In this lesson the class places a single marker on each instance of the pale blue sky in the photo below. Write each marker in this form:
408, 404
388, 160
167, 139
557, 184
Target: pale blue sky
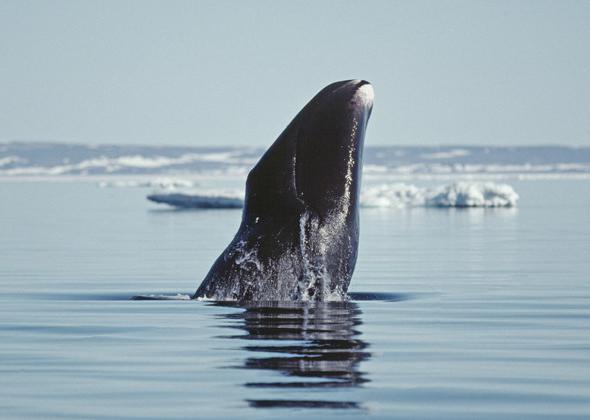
236, 72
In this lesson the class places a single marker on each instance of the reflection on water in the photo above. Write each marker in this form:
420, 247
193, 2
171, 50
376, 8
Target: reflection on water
312, 347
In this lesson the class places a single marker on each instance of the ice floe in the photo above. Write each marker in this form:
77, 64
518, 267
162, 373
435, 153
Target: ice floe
458, 194
396, 195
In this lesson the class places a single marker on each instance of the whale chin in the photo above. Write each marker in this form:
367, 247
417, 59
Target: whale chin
298, 238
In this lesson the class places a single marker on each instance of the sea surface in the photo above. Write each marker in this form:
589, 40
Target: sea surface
456, 313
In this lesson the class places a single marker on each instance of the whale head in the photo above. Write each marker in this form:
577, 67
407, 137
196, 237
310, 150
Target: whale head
316, 162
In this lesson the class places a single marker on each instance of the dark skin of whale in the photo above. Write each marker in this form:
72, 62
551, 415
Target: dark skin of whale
298, 239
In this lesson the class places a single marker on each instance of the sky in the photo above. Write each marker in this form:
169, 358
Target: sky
213, 73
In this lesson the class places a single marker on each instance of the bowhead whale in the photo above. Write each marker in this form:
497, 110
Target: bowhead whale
298, 238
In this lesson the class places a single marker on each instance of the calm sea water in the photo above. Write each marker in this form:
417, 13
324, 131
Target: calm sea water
479, 313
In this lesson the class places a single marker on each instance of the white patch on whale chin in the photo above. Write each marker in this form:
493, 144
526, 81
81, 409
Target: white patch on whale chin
366, 94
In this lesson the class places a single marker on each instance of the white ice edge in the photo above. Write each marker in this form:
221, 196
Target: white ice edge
177, 296
387, 195
458, 194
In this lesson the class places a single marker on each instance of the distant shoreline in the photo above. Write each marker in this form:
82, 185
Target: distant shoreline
35, 161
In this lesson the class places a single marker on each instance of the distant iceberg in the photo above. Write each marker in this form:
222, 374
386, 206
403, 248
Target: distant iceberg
466, 194
398, 195
459, 194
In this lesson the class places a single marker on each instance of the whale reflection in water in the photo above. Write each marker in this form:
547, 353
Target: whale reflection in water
312, 346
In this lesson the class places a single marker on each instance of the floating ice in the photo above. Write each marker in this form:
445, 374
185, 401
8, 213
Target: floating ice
160, 183
392, 195
468, 194
204, 199
177, 296
7, 160
449, 154
126, 164
459, 194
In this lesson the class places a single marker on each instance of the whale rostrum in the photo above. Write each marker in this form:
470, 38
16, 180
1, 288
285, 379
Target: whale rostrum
298, 238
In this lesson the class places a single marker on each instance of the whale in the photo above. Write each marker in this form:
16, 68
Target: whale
299, 232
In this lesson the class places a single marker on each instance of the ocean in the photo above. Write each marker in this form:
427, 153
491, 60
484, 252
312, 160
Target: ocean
476, 307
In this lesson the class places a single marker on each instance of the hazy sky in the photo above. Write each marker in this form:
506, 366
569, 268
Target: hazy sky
236, 72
